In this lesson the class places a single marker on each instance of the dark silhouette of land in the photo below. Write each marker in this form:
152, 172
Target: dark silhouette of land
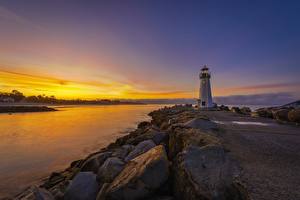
18, 97
18, 109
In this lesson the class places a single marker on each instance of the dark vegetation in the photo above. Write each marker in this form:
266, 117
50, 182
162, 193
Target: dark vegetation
18, 97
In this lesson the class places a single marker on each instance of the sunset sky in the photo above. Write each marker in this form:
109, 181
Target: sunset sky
148, 49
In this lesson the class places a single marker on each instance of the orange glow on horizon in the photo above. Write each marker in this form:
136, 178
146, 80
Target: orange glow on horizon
69, 89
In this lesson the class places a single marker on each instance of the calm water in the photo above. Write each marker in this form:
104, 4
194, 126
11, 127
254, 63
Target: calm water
34, 144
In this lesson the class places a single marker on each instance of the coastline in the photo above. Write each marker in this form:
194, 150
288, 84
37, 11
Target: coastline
175, 136
24, 109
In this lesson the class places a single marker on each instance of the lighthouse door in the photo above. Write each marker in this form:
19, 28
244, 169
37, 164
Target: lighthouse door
203, 103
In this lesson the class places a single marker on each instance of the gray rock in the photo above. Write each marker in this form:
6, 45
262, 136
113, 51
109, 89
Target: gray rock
281, 114
245, 110
141, 148
224, 108
84, 186
123, 151
141, 177
263, 112
42, 194
182, 137
294, 115
205, 173
236, 110
94, 162
110, 169
159, 137
149, 134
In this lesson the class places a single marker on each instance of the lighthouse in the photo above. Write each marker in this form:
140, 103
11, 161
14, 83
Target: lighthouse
205, 97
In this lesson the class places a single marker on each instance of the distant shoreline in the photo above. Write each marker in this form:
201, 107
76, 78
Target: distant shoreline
23, 109
45, 107
71, 104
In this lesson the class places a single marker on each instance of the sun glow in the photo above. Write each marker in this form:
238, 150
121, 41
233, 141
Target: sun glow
70, 89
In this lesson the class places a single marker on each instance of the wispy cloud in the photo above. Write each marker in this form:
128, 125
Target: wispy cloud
268, 86
13, 17
256, 99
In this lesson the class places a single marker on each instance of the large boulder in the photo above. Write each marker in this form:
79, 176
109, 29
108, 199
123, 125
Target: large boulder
294, 115
281, 114
141, 177
245, 110
151, 134
263, 112
110, 169
95, 161
236, 110
224, 108
42, 194
84, 186
144, 125
205, 173
141, 148
182, 137
122, 151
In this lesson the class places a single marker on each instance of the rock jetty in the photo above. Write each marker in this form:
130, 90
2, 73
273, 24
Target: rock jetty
183, 153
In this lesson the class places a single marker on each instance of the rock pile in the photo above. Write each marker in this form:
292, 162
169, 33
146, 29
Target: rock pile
281, 114
176, 156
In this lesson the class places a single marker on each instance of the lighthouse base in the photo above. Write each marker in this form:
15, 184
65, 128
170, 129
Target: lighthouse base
202, 105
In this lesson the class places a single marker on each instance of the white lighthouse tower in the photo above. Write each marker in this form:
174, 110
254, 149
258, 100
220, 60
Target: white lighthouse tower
205, 98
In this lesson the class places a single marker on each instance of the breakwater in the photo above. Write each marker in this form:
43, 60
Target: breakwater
182, 153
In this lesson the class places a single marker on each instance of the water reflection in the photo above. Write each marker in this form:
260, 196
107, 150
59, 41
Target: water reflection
34, 144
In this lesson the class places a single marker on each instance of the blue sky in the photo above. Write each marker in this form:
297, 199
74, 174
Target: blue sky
156, 47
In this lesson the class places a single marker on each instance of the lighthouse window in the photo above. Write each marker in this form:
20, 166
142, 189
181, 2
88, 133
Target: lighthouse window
203, 103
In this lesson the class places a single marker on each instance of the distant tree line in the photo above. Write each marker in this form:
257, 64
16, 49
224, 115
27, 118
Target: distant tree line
18, 97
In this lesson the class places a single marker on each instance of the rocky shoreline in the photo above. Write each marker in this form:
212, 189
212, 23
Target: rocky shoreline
180, 154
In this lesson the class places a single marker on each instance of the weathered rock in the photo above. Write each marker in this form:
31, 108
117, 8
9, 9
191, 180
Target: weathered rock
76, 163
163, 115
245, 110
236, 110
263, 112
281, 115
141, 148
144, 125
83, 187
42, 194
94, 162
110, 169
224, 108
151, 134
294, 115
141, 177
202, 124
131, 138
164, 126
182, 137
57, 178
159, 137
205, 173
123, 151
